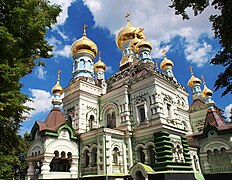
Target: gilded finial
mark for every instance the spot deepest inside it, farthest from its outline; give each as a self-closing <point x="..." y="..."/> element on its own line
<point x="127" y="17"/>
<point x="57" y="87"/>
<point x="156" y="65"/>
<point x="191" y="69"/>
<point x="203" y="79"/>
<point x="164" y="51"/>
<point x="84" y="29"/>
<point x="99" y="55"/>
<point x="140" y="30"/>
<point x="58" y="75"/>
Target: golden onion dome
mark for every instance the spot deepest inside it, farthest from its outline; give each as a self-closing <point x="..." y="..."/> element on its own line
<point x="133" y="43"/>
<point x="99" y="64"/>
<point x="57" y="88"/>
<point x="84" y="44"/>
<point x="206" y="92"/>
<point x="193" y="80"/>
<point x="127" y="33"/>
<point x="166" y="62"/>
<point x="143" y="43"/>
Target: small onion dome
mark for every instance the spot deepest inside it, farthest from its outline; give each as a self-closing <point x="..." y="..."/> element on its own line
<point x="143" y="43"/>
<point x="133" y="43"/>
<point x="206" y="92"/>
<point x="193" y="80"/>
<point x="127" y="33"/>
<point x="57" y="88"/>
<point x="166" y="62"/>
<point x="99" y="65"/>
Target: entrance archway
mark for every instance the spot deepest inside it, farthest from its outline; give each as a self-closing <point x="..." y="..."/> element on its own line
<point x="139" y="176"/>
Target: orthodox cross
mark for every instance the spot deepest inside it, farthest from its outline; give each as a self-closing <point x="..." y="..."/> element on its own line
<point x="127" y="17"/>
<point x="203" y="79"/>
<point x="84" y="29"/>
<point x="164" y="52"/>
<point x="58" y="76"/>
<point x="156" y="66"/>
<point x="191" y="69"/>
<point x="99" y="55"/>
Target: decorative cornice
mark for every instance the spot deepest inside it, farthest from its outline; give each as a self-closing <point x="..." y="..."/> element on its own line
<point x="135" y="75"/>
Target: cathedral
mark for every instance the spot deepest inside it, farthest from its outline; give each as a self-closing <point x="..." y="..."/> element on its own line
<point x="137" y="124"/>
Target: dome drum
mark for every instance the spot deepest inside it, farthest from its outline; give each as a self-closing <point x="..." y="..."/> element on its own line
<point x="84" y="52"/>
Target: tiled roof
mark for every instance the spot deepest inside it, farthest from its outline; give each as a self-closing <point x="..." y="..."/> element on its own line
<point x="214" y="118"/>
<point x="54" y="120"/>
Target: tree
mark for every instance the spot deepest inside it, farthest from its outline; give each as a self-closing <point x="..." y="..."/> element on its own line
<point x="222" y="26"/>
<point x="23" y="25"/>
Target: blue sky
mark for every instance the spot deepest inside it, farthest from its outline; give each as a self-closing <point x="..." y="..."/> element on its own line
<point x="187" y="43"/>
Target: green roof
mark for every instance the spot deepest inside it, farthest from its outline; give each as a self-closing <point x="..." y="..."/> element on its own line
<point x="146" y="167"/>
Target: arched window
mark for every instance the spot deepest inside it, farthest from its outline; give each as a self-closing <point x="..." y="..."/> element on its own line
<point x="145" y="55"/>
<point x="94" y="156"/>
<point x="141" y="155"/>
<point x="91" y="121"/>
<point x="88" y="65"/>
<point x="69" y="120"/>
<point x="60" y="164"/>
<point x="69" y="155"/>
<point x="116" y="156"/>
<point x="169" y="110"/>
<point x="141" y="114"/>
<point x="139" y="175"/>
<point x="125" y="52"/>
<point x="108" y="117"/>
<point x="86" y="158"/>
<point x="217" y="158"/>
<point x="151" y="154"/>
<point x="111" y="119"/>
<point x="82" y="64"/>
<point x="62" y="155"/>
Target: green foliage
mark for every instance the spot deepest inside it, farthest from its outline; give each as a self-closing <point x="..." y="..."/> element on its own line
<point x="23" y="25"/>
<point x="222" y="26"/>
<point x="13" y="163"/>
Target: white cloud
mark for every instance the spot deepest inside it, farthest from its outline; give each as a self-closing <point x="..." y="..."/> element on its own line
<point x="65" y="4"/>
<point x="198" y="53"/>
<point x="227" y="112"/>
<point x="109" y="69"/>
<point x="54" y="41"/>
<point x="41" y="102"/>
<point x="57" y="49"/>
<point x="65" y="52"/>
<point x="40" y="72"/>
<point x="159" y="22"/>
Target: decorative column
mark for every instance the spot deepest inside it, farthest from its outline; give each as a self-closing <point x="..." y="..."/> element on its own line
<point x="46" y="164"/>
<point x="205" y="162"/>
<point x="145" y="151"/>
<point x="90" y="159"/>
<point x="31" y="170"/>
